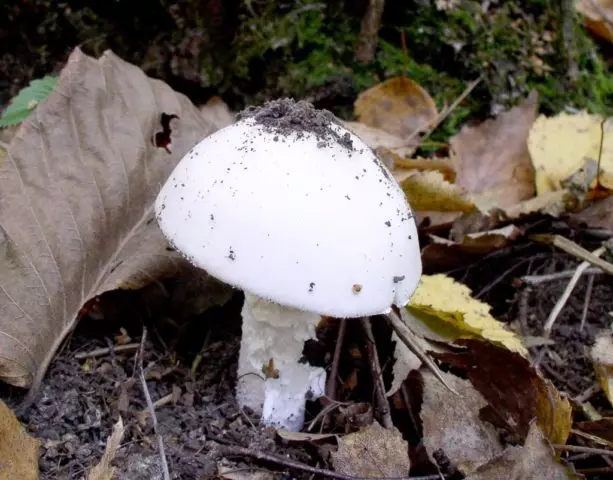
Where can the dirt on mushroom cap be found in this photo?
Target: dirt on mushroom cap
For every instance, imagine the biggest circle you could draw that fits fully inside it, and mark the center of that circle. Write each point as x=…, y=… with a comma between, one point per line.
x=286, y=116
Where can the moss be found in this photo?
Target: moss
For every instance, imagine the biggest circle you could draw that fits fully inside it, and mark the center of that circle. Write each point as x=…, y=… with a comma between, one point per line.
x=249, y=51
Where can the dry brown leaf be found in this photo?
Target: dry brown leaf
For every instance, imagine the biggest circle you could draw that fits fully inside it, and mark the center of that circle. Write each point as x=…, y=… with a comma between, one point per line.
x=492, y=160
x=597, y=215
x=598, y=16
x=398, y=106
x=217, y=112
x=451, y=423
x=535, y=460
x=103, y=470
x=396, y=161
x=18, y=451
x=376, y=138
x=602, y=358
x=373, y=452
x=76, y=202
x=516, y=393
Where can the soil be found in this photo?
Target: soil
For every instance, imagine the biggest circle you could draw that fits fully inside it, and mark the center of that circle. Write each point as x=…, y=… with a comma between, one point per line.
x=81, y=398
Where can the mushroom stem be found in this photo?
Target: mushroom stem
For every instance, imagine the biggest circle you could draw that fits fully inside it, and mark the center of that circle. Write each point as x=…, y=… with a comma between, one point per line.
x=271, y=379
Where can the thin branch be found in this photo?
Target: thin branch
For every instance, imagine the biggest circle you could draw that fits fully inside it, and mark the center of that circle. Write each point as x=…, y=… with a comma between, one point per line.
x=377, y=376
x=573, y=249
x=579, y=449
x=407, y=336
x=371, y=23
x=586, y=302
x=568, y=291
x=100, y=352
x=232, y=450
x=150, y=406
x=552, y=277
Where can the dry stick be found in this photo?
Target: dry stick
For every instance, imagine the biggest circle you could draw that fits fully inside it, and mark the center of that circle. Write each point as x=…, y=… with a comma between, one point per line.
x=572, y=248
x=377, y=376
x=371, y=23
x=551, y=277
x=568, y=291
x=586, y=303
x=579, y=449
x=408, y=338
x=332, y=379
x=100, y=352
x=444, y=114
x=228, y=450
x=143, y=381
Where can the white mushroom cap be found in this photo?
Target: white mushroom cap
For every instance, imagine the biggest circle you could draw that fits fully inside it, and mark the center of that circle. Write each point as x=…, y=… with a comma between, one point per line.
x=288, y=205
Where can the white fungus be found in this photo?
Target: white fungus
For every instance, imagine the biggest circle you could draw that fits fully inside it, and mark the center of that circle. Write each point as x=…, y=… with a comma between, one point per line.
x=299, y=213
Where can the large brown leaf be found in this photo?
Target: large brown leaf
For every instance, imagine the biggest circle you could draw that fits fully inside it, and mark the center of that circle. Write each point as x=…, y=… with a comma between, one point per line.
x=76, y=203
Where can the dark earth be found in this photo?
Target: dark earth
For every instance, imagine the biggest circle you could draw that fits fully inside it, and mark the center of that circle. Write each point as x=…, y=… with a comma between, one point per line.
x=190, y=363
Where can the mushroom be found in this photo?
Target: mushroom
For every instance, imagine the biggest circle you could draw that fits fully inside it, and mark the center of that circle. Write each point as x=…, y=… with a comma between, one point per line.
x=299, y=213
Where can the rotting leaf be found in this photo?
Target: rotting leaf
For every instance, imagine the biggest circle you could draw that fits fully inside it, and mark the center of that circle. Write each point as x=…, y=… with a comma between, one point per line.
x=18, y=451
x=451, y=423
x=602, y=358
x=535, y=460
x=516, y=393
x=597, y=15
x=76, y=203
x=399, y=106
x=492, y=160
x=373, y=452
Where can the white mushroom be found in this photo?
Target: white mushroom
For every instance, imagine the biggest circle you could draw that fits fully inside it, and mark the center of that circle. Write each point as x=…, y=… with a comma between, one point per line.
x=299, y=213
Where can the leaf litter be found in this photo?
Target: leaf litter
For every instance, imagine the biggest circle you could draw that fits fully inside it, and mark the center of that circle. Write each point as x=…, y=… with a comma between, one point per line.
x=59, y=255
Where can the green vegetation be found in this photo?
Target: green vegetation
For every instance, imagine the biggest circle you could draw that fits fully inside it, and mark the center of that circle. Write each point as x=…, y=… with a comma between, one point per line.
x=251, y=50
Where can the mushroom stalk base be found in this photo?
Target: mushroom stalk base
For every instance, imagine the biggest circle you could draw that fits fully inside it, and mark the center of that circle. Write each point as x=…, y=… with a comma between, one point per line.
x=271, y=346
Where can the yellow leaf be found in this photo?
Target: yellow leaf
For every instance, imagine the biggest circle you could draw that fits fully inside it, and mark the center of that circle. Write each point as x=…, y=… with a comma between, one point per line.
x=561, y=145
x=398, y=106
x=447, y=308
x=602, y=358
x=429, y=191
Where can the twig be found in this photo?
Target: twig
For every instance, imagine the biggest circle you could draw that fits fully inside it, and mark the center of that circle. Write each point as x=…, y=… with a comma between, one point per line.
x=444, y=114
x=407, y=336
x=371, y=23
x=567, y=11
x=586, y=303
x=143, y=381
x=332, y=378
x=587, y=394
x=572, y=248
x=569, y=290
x=551, y=277
x=160, y=402
x=229, y=450
x=579, y=449
x=377, y=376
x=100, y=352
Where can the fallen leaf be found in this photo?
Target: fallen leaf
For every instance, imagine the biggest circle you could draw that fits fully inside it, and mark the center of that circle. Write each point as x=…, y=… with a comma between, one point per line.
x=302, y=437
x=444, y=310
x=492, y=160
x=429, y=191
x=376, y=138
x=396, y=161
x=398, y=106
x=233, y=471
x=597, y=15
x=535, y=460
x=76, y=203
x=516, y=393
x=217, y=112
x=561, y=146
x=18, y=451
x=103, y=470
x=451, y=423
x=373, y=452
x=602, y=358
x=597, y=215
